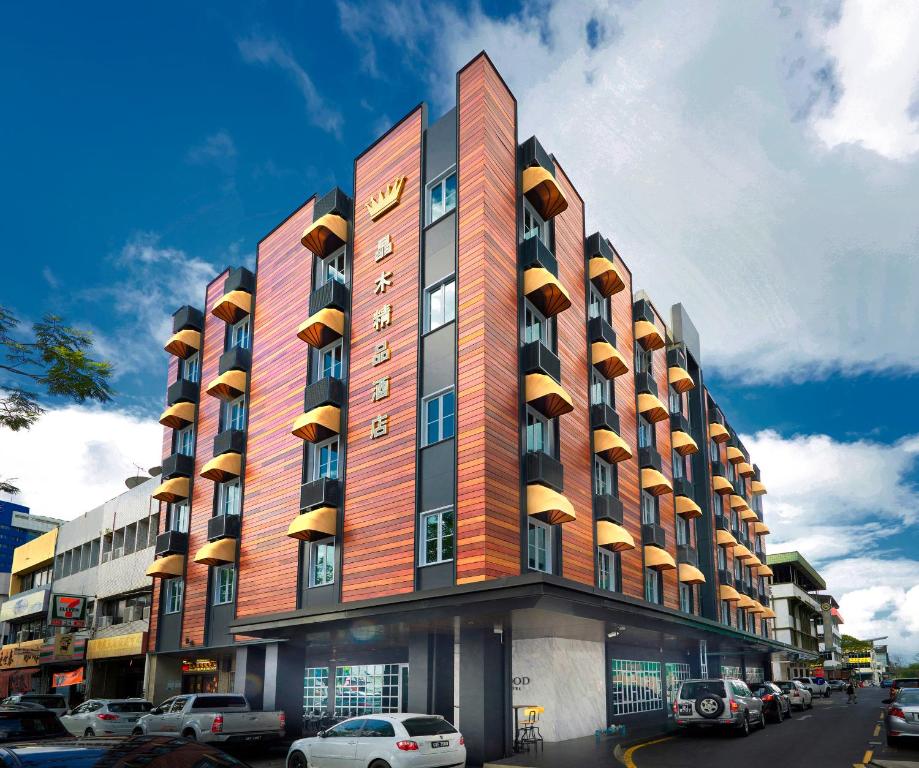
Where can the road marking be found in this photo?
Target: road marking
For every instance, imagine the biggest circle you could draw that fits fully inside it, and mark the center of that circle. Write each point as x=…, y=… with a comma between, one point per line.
x=868, y=755
x=877, y=730
x=627, y=757
x=804, y=717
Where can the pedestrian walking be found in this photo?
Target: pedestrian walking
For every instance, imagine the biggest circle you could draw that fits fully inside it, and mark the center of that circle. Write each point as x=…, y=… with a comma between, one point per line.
x=850, y=690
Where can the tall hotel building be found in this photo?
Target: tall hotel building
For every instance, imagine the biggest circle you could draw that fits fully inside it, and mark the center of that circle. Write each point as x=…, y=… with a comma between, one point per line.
x=436, y=455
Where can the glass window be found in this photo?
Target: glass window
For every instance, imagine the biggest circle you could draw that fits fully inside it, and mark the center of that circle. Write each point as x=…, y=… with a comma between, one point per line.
x=643, y=359
x=682, y=531
x=380, y=728
x=648, y=508
x=635, y=686
x=601, y=389
x=717, y=504
x=539, y=546
x=676, y=401
x=439, y=304
x=652, y=586
x=725, y=612
x=328, y=365
x=741, y=619
x=224, y=584
x=191, y=368
x=533, y=224
x=348, y=729
x=185, y=441
x=714, y=450
x=368, y=689
x=679, y=466
x=738, y=574
x=330, y=268
x=315, y=690
x=686, y=596
x=603, y=477
x=536, y=326
x=442, y=196
x=228, y=497
x=234, y=416
x=732, y=476
x=598, y=305
x=325, y=459
x=239, y=334
x=437, y=529
x=539, y=432
x=174, y=590
x=178, y=517
x=322, y=562
x=607, y=570
x=646, y=436
x=439, y=412
x=733, y=519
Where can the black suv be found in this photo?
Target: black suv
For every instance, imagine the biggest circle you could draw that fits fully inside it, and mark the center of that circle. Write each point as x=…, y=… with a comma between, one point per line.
x=776, y=704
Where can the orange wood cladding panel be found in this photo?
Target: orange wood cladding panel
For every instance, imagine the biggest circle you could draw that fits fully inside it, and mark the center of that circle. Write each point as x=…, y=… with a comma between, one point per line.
x=632, y=561
x=666, y=506
x=202, y=496
x=379, y=518
x=577, y=536
x=488, y=464
x=274, y=457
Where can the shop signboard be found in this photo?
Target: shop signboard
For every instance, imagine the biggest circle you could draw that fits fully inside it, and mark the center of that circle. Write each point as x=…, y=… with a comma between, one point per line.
x=197, y=666
x=132, y=644
x=20, y=655
x=67, y=611
x=63, y=679
x=25, y=604
x=68, y=647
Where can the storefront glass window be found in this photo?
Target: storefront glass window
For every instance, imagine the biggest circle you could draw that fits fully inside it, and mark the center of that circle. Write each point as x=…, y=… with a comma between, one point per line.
x=315, y=690
x=730, y=671
x=368, y=689
x=754, y=674
x=636, y=686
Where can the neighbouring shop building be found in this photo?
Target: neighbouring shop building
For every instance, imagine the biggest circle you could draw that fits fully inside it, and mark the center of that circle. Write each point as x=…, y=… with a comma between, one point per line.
x=437, y=453
x=798, y=611
x=829, y=636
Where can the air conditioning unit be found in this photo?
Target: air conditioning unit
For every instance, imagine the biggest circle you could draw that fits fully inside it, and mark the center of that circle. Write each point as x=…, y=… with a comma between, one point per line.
x=118, y=552
x=23, y=636
x=147, y=613
x=106, y=557
x=133, y=613
x=103, y=621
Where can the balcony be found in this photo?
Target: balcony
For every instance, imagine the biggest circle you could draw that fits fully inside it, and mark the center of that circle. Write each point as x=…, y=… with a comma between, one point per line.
x=323, y=492
x=329, y=229
x=330, y=295
x=171, y=543
x=603, y=416
x=644, y=382
x=230, y=441
x=547, y=396
x=545, y=292
x=223, y=527
x=533, y=252
x=326, y=321
x=538, y=182
x=609, y=508
x=601, y=265
x=543, y=469
x=548, y=505
x=316, y=524
x=687, y=554
x=228, y=386
x=677, y=375
x=326, y=391
x=653, y=535
x=603, y=353
x=646, y=331
x=726, y=577
x=182, y=391
x=649, y=457
x=235, y=359
x=178, y=465
x=788, y=591
x=536, y=357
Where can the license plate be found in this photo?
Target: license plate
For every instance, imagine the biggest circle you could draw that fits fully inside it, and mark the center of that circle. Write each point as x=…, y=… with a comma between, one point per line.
x=436, y=744
x=252, y=738
x=685, y=709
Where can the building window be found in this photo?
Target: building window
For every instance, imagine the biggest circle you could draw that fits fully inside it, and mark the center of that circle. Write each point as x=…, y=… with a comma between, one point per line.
x=679, y=465
x=601, y=389
x=734, y=524
x=686, y=601
x=598, y=305
x=648, y=508
x=224, y=584
x=722, y=559
x=234, y=415
x=714, y=450
x=653, y=586
x=185, y=441
x=607, y=570
x=738, y=572
x=676, y=401
x=239, y=334
x=437, y=536
x=539, y=432
x=322, y=562
x=315, y=690
x=439, y=413
x=536, y=325
x=636, y=686
x=741, y=619
x=731, y=671
x=717, y=504
x=682, y=531
x=228, y=497
x=643, y=359
x=325, y=459
x=646, y=436
x=442, y=196
x=534, y=225
x=726, y=612
x=191, y=368
x=439, y=304
x=328, y=365
x=732, y=475
x=369, y=689
x=603, y=477
x=331, y=268
x=754, y=675
x=173, y=595
x=178, y=517
x=539, y=546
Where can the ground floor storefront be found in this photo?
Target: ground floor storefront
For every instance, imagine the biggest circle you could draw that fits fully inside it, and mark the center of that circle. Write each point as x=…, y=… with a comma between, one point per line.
x=198, y=670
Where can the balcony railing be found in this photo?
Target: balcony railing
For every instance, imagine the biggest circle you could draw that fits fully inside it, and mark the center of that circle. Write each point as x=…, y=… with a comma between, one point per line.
x=654, y=535
x=324, y=492
x=687, y=554
x=223, y=527
x=329, y=294
x=543, y=469
x=609, y=508
x=182, y=391
x=533, y=252
x=326, y=391
x=604, y=417
x=645, y=383
x=235, y=359
x=536, y=357
x=178, y=465
x=230, y=440
x=171, y=543
x=649, y=457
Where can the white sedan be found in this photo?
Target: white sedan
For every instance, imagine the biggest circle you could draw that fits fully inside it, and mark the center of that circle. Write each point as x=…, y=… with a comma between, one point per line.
x=382, y=741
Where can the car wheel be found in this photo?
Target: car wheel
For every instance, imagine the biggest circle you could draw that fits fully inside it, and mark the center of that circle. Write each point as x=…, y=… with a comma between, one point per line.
x=297, y=760
x=379, y=764
x=189, y=734
x=89, y=732
x=762, y=719
x=745, y=725
x=137, y=732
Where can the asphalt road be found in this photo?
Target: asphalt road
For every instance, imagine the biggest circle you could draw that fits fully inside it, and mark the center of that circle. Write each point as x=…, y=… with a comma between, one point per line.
x=831, y=734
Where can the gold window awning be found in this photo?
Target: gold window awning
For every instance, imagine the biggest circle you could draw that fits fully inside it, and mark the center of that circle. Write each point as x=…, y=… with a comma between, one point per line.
x=742, y=553
x=728, y=593
x=172, y=490
x=768, y=613
x=315, y=524
x=233, y=306
x=721, y=485
x=322, y=328
x=547, y=505
x=648, y=336
x=718, y=432
x=613, y=537
x=757, y=488
x=228, y=385
x=167, y=567
x=737, y=502
x=654, y=482
x=658, y=559
x=543, y=191
x=606, y=359
x=725, y=538
x=184, y=343
x=683, y=443
x=744, y=468
x=734, y=454
x=547, y=396
x=605, y=276
x=318, y=424
x=761, y=528
x=687, y=508
x=610, y=446
x=326, y=234
x=545, y=291
x=224, y=467
x=764, y=570
x=652, y=408
x=217, y=552
x=178, y=416
x=757, y=607
x=689, y=574
x=746, y=514
x=746, y=601
x=680, y=379
x=753, y=562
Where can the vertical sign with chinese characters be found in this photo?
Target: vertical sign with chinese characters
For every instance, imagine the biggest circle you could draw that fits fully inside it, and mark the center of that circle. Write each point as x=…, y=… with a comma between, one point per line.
x=379, y=492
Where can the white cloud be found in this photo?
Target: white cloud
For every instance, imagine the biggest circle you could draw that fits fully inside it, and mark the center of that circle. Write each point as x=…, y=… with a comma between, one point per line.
x=218, y=149
x=77, y=457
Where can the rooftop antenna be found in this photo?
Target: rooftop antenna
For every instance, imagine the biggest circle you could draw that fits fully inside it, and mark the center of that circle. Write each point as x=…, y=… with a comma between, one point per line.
x=137, y=479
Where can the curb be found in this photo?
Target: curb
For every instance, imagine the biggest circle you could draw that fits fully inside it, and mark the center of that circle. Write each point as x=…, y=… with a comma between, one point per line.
x=622, y=746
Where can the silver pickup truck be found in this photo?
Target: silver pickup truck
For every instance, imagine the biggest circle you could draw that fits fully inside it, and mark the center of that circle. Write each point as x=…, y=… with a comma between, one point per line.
x=211, y=717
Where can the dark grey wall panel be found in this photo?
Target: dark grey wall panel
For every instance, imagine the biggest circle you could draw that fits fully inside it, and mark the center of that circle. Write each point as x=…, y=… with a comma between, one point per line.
x=440, y=145
x=440, y=250
x=170, y=632
x=218, y=624
x=437, y=475
x=436, y=576
x=439, y=355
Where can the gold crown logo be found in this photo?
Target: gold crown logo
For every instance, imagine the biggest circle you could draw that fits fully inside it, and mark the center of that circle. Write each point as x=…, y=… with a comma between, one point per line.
x=387, y=199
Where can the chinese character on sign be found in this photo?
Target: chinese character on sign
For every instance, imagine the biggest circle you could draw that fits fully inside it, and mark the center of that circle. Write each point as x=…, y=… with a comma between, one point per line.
x=381, y=352
x=382, y=317
x=380, y=389
x=379, y=426
x=383, y=282
x=384, y=248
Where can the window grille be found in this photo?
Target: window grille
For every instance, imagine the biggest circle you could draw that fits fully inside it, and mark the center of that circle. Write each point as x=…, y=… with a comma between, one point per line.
x=636, y=686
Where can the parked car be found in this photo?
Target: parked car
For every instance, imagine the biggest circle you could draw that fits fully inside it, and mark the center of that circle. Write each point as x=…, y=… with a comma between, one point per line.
x=816, y=685
x=149, y=751
x=903, y=682
x=776, y=704
x=724, y=702
x=399, y=741
x=888, y=683
x=53, y=701
x=29, y=721
x=837, y=685
x=902, y=717
x=105, y=717
x=798, y=696
x=217, y=717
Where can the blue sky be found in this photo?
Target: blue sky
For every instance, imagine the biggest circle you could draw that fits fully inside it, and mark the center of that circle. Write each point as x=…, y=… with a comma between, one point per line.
x=759, y=164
